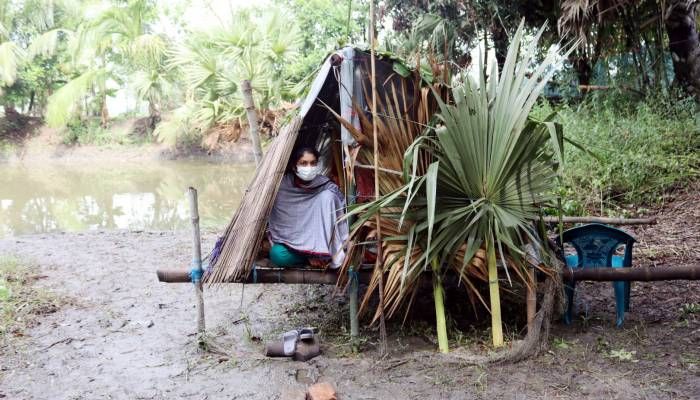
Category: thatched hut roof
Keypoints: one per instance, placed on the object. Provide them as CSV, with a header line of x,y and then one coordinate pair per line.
x,y
335,110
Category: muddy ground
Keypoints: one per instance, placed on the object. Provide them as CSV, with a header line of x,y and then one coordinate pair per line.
x,y
122,335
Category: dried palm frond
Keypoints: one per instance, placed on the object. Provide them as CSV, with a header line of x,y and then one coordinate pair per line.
x,y
491,169
578,15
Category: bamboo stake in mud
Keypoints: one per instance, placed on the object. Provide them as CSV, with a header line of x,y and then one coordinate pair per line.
x,y
197,271
380,256
247,91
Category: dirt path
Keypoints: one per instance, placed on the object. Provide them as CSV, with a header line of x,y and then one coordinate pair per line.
x,y
123,335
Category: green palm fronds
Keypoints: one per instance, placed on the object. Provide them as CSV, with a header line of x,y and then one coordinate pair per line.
x,y
11,56
63,102
491,168
46,43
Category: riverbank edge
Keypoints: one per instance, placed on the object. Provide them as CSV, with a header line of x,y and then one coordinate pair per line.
x,y
33,153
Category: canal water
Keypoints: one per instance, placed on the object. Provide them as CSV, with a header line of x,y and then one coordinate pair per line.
x,y
136,196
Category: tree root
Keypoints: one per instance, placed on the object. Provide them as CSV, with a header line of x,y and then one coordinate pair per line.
x,y
536,340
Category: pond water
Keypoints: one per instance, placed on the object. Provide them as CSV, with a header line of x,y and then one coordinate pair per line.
x,y
144,196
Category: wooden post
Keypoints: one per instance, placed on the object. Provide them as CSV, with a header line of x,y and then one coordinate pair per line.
x,y
380,257
531,299
247,91
354,319
196,259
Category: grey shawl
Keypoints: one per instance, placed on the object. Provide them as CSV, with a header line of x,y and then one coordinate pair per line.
x,y
305,218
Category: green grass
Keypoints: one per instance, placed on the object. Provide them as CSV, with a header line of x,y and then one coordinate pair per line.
x,y
21,301
644,148
118,132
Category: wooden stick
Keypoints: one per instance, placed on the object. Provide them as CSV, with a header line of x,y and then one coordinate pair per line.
x,y
380,257
632,274
531,300
586,88
603,220
197,259
252,119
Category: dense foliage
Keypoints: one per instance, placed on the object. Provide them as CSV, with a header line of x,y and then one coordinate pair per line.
x,y
65,60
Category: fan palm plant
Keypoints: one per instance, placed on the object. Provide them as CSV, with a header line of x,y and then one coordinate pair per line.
x,y
491,169
252,46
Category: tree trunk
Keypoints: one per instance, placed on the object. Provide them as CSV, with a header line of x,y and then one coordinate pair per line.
x,y
31,103
104,111
500,42
153,116
494,295
684,44
440,320
584,69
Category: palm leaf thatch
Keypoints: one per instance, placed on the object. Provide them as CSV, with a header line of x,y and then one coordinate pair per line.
x,y
243,234
491,170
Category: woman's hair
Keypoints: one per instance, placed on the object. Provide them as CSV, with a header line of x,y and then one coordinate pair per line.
x,y
299,153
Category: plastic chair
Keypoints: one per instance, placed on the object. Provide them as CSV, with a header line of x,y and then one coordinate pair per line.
x,y
595,246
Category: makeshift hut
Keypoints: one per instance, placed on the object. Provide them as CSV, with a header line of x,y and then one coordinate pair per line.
x,y
334,118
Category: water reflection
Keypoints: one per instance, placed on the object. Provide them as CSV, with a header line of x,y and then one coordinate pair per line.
x,y
125,196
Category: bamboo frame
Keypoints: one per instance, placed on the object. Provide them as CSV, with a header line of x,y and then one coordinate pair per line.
x,y
375,144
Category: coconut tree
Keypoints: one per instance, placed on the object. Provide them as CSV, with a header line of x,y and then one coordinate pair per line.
x,y
28,30
117,42
491,168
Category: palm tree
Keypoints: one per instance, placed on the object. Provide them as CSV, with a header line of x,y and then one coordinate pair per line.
x,y
27,30
251,46
491,169
114,44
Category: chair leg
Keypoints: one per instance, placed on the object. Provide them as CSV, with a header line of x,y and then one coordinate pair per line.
x,y
620,303
569,288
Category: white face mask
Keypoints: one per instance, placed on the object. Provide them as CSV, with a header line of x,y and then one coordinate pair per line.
x,y
308,173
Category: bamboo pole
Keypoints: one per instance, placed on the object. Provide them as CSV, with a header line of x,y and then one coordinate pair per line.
x,y
603,220
196,274
494,295
249,104
642,274
320,277
380,256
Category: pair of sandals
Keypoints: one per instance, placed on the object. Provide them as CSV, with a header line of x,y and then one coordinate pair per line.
x,y
291,338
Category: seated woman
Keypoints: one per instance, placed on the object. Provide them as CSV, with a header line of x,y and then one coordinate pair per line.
x,y
304,227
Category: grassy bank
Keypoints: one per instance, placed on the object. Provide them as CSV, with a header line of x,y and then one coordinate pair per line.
x,y
643,149
22,303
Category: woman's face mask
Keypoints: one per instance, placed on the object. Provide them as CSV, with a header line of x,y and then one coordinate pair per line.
x,y
307,167
308,173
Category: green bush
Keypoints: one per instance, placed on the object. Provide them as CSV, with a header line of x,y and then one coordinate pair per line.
x,y
90,131
643,148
